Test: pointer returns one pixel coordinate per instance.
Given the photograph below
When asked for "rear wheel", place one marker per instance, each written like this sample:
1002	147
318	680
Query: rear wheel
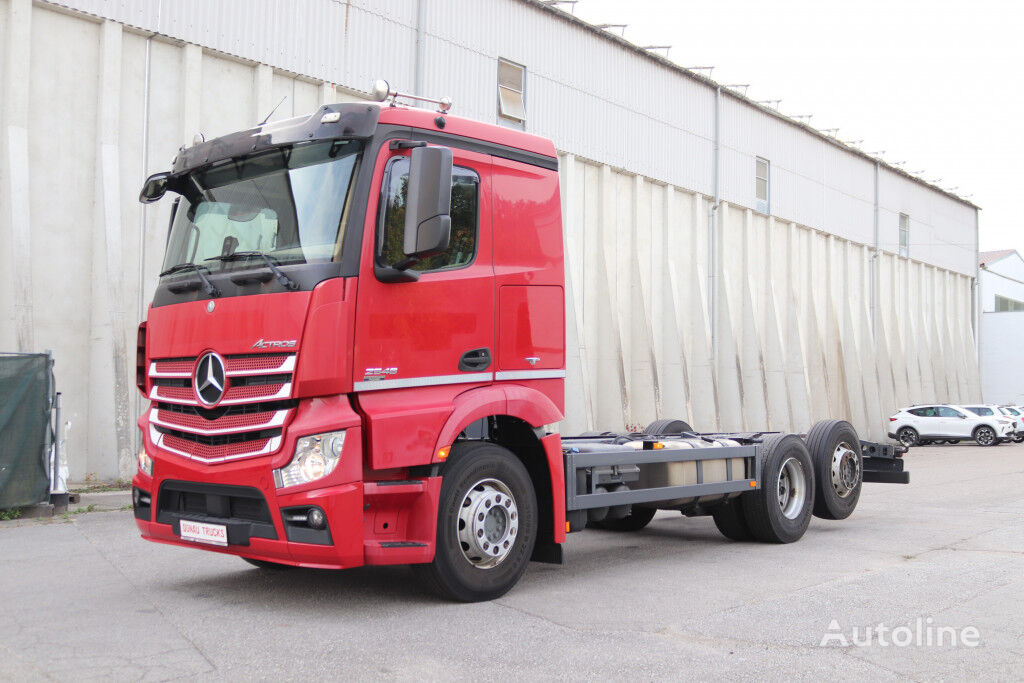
985	436
953	441
836	453
907	436
730	520
486	524
668	427
1019	437
780	510
636	520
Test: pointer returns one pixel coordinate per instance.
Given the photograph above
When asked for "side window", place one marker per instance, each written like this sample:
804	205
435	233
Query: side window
923	412
949	412
464	212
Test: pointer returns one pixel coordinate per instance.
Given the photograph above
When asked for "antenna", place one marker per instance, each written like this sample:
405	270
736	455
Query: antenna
264	121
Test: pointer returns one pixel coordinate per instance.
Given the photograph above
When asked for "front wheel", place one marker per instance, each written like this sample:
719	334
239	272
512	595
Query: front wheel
907	436
1018	437
985	436
486	524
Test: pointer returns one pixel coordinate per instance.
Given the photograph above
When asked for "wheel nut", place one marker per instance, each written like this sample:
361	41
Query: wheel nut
513	515
508	503
512	531
505	544
480	534
497	498
480	517
485	545
487	503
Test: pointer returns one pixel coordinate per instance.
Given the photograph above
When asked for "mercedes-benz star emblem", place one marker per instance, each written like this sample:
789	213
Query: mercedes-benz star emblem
208	380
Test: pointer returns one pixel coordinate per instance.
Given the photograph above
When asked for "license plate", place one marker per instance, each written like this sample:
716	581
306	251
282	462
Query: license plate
200	532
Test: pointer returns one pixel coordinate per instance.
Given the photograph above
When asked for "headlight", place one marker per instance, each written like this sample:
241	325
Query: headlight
145	463
315	457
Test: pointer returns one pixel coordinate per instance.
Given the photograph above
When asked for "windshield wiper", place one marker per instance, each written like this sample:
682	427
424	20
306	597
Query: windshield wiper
285	281
208	286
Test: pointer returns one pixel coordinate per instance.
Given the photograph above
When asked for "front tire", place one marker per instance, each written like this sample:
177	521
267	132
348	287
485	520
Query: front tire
780	510
907	436
838	467
985	436
486	524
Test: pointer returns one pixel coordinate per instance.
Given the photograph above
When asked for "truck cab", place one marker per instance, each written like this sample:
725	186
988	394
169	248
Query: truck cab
343	295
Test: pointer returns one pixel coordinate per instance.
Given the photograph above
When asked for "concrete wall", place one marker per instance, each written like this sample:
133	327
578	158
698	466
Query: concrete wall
1002	358
1003	277
775	330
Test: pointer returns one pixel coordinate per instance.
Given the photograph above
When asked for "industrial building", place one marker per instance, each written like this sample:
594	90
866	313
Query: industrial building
725	264
1001	288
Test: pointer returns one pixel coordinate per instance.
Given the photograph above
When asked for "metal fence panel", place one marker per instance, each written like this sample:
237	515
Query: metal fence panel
26	396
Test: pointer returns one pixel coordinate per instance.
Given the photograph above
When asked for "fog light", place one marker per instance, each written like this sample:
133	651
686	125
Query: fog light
316	518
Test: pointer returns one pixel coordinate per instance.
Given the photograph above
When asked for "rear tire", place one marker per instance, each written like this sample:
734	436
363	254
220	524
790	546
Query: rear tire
1019	438
780	510
636	520
486	524
731	522
838	468
985	436
953	441
668	427
907	436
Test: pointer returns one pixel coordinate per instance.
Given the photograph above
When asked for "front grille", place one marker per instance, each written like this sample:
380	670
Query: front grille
248	421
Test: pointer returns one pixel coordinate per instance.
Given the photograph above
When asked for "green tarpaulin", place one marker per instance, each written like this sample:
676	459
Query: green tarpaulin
26	396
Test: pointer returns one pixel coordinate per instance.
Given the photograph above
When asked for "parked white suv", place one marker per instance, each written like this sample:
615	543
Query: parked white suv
1014	413
940	423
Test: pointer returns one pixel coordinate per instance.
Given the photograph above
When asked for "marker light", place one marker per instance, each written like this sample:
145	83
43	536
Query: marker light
315	457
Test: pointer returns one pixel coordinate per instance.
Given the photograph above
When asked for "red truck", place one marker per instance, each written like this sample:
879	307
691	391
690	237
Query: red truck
356	353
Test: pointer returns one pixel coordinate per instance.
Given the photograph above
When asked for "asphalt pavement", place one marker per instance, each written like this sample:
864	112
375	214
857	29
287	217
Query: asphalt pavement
83	597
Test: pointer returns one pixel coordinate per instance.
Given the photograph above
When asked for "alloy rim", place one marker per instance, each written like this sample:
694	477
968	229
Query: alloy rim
487	524
792	488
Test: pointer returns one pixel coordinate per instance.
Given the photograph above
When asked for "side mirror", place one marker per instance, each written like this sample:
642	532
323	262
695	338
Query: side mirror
154	187
428	222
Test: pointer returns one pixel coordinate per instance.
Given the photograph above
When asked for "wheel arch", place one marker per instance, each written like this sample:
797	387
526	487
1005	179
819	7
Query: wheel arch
512	416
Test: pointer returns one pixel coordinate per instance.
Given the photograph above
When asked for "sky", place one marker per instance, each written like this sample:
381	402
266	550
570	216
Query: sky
938	85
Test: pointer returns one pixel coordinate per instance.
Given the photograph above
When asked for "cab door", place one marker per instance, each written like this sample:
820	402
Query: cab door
420	343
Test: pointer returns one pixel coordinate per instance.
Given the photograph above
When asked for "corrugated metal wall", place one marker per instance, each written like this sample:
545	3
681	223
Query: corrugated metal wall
90	107
795	340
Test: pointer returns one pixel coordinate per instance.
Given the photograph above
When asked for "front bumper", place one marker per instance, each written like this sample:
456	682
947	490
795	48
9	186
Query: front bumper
241	495
258	535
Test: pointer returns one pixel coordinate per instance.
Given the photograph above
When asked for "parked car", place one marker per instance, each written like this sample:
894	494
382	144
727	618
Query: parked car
941	423
1017	415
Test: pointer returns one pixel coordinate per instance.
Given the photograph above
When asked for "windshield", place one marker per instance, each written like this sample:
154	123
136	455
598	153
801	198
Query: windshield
290	203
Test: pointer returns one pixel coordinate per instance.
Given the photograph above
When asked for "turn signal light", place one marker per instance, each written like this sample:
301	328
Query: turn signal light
442	453
658	445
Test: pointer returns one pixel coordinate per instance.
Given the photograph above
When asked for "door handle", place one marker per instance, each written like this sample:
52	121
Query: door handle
475	360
